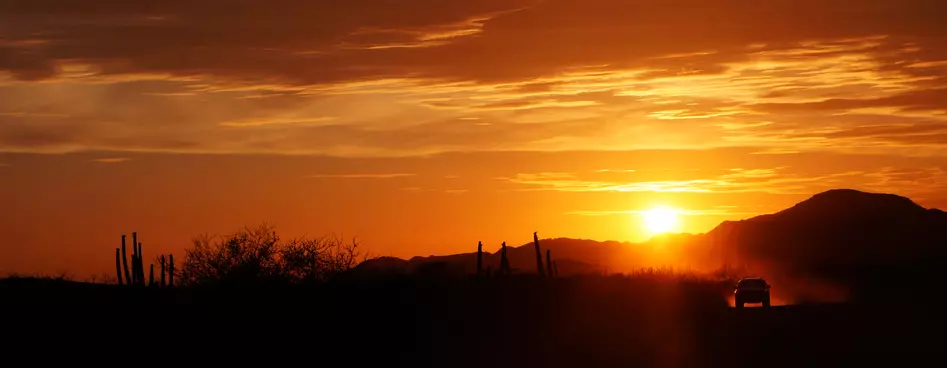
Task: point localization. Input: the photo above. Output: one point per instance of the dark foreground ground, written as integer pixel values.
(598, 322)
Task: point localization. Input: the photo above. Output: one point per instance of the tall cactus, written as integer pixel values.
(134, 270)
(479, 259)
(135, 275)
(161, 263)
(137, 267)
(136, 279)
(171, 270)
(118, 266)
(539, 256)
(128, 277)
(138, 259)
(504, 261)
(141, 264)
(549, 262)
(151, 276)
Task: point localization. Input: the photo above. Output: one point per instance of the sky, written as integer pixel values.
(423, 126)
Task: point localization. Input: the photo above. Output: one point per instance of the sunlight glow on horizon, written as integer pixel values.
(661, 220)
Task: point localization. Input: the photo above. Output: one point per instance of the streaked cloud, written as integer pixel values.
(417, 190)
(360, 176)
(777, 180)
(381, 78)
(111, 160)
(278, 121)
(616, 170)
(30, 115)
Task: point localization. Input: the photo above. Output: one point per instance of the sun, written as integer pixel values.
(661, 220)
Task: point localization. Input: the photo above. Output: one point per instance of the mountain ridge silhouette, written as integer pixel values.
(830, 230)
(841, 226)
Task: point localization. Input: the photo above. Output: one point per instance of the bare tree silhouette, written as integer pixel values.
(255, 256)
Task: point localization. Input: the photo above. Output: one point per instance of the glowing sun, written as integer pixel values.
(661, 220)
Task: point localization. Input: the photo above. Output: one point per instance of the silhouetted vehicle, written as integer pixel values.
(751, 290)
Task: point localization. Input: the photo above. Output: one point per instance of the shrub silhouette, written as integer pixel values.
(319, 259)
(257, 256)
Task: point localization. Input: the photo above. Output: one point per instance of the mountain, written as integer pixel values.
(836, 229)
(572, 256)
(382, 266)
(835, 232)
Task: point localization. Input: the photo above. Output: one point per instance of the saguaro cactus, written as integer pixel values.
(151, 275)
(479, 259)
(134, 270)
(128, 277)
(504, 261)
(135, 276)
(161, 263)
(118, 266)
(539, 256)
(138, 262)
(141, 264)
(171, 270)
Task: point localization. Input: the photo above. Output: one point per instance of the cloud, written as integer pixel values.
(30, 115)
(294, 40)
(304, 42)
(359, 176)
(278, 121)
(400, 78)
(932, 99)
(111, 160)
(924, 181)
(919, 179)
(736, 180)
(417, 189)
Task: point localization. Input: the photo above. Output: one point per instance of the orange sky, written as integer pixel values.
(424, 126)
